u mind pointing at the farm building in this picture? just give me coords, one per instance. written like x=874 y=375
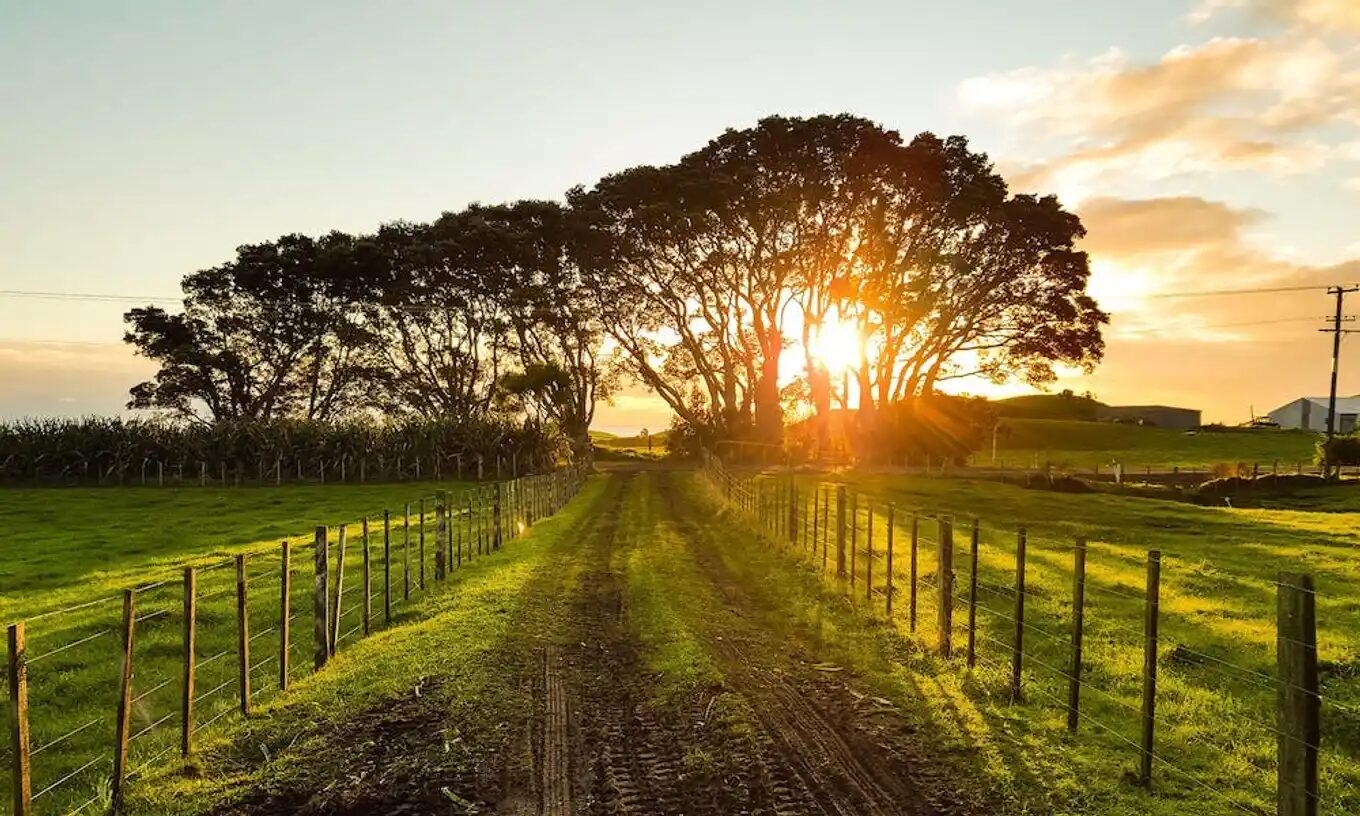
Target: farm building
x=1310 y=414
x=1159 y=416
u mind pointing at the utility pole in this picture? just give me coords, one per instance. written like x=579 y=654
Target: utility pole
x=1337 y=331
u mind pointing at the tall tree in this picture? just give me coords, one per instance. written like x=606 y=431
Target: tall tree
x=269 y=334
x=528 y=252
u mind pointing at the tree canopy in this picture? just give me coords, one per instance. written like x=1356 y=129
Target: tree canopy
x=711 y=281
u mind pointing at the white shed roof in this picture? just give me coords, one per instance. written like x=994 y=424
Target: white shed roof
x=1344 y=405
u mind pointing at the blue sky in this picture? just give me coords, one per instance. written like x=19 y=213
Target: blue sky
x=144 y=141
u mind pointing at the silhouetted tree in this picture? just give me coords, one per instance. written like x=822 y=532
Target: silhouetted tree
x=270 y=334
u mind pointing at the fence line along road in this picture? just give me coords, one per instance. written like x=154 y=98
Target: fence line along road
x=834 y=532
x=481 y=519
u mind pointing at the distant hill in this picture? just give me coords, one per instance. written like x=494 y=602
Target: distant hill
x=1049 y=406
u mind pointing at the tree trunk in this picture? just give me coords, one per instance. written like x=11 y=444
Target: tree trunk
x=769 y=413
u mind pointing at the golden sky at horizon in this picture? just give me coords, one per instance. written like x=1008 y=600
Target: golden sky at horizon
x=1206 y=145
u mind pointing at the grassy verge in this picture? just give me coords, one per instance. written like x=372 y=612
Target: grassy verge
x=468 y=644
x=1216 y=727
x=1083 y=445
x=78 y=549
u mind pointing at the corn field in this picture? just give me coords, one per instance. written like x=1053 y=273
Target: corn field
x=114 y=451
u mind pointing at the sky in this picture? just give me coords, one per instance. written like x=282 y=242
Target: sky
x=1206 y=145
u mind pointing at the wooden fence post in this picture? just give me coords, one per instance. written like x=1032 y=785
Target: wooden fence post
x=123 y=725
x=186 y=707
x=285 y=611
x=497 y=522
x=1150 y=616
x=944 y=579
x=793 y=513
x=367 y=587
x=18 y=720
x=339 y=589
x=840 y=531
x=816 y=492
x=869 y=555
x=387 y=567
x=973 y=593
x=242 y=635
x=406 y=553
x=913 y=567
x=421 y=576
x=321 y=610
x=826 y=525
x=439 y=557
x=1299 y=703
x=1078 y=619
x=1018 y=650
x=888 y=592
x=854 y=538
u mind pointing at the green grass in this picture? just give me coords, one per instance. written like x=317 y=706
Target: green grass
x=459 y=638
x=73 y=547
x=662 y=588
x=1216 y=719
x=1084 y=445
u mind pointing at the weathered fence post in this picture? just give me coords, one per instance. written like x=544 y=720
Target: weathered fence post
x=285 y=611
x=973 y=593
x=1018 y=650
x=826 y=525
x=816 y=492
x=421 y=553
x=18 y=720
x=123 y=725
x=186 y=707
x=793 y=513
x=339 y=589
x=888 y=590
x=840 y=531
x=406 y=553
x=944 y=579
x=242 y=636
x=497 y=521
x=1299 y=703
x=439 y=568
x=912 y=565
x=869 y=555
x=1150 y=616
x=854 y=538
x=387 y=567
x=367 y=605
x=1078 y=619
x=321 y=610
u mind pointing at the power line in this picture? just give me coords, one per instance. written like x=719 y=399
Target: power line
x=1258 y=291
x=87 y=296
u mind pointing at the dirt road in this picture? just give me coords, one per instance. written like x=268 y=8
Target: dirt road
x=652 y=682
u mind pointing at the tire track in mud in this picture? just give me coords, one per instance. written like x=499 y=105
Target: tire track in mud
x=820 y=761
x=636 y=762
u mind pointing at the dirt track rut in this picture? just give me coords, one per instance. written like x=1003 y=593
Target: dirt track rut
x=800 y=756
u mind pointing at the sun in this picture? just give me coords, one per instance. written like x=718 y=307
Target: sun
x=836 y=344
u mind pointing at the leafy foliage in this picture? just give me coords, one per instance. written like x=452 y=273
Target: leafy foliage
x=99 y=450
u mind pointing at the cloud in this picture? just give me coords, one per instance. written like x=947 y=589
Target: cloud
x=1312 y=13
x=1148 y=254
x=67 y=379
x=1271 y=105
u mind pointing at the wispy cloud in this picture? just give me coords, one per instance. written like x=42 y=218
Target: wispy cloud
x=1282 y=105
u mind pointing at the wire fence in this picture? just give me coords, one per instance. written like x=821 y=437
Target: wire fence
x=103 y=691
x=1199 y=695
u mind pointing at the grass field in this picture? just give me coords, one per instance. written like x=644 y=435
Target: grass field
x=81 y=547
x=453 y=653
x=1084 y=445
x=704 y=598
x=1217 y=741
